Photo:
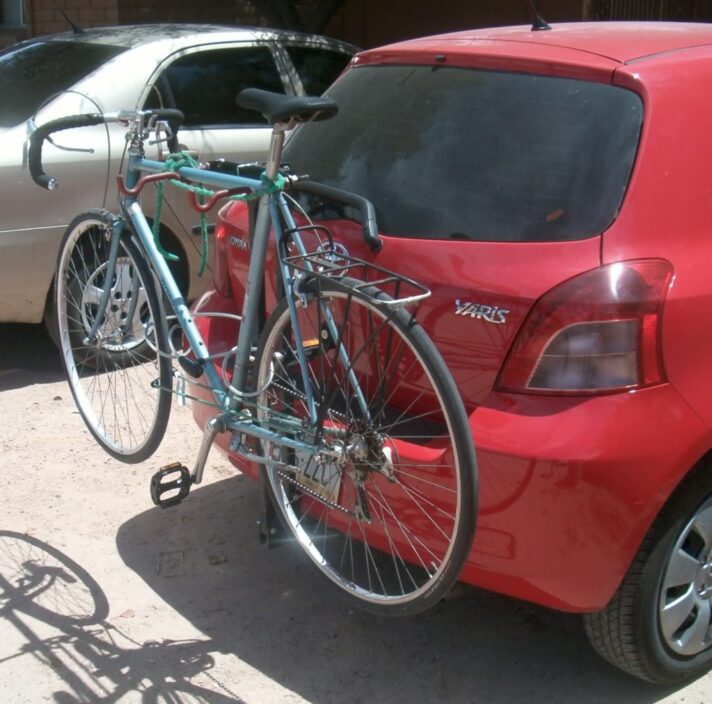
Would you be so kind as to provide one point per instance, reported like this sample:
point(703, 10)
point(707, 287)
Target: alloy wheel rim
point(118, 333)
point(685, 606)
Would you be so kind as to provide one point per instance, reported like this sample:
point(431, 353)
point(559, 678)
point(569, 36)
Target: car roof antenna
point(75, 28)
point(539, 24)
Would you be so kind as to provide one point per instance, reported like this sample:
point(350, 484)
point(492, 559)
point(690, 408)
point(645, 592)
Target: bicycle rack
point(334, 265)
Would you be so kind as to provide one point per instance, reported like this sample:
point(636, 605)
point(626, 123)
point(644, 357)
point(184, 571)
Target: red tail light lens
point(221, 277)
point(596, 333)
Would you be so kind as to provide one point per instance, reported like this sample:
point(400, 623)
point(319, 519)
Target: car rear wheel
point(658, 626)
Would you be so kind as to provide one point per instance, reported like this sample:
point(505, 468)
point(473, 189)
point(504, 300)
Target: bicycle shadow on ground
point(92, 659)
point(27, 356)
point(269, 609)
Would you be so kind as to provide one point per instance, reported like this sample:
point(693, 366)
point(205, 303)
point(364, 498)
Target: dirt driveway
point(105, 598)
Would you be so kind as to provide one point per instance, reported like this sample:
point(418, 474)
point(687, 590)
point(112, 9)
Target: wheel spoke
point(681, 570)
point(702, 525)
point(675, 613)
point(696, 637)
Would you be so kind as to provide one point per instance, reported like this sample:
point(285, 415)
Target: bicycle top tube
point(197, 175)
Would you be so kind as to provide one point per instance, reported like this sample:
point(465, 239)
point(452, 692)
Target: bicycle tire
point(121, 386)
point(41, 581)
point(389, 524)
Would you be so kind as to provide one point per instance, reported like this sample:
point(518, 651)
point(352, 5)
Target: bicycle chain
point(295, 393)
point(314, 494)
point(302, 397)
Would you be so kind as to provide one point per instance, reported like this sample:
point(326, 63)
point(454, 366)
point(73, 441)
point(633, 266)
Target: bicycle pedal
point(170, 485)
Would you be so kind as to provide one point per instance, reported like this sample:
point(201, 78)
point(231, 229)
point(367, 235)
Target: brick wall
point(142, 11)
point(44, 18)
point(363, 22)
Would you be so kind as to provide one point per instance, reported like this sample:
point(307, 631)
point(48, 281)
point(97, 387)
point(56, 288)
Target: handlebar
point(174, 118)
point(363, 205)
point(34, 156)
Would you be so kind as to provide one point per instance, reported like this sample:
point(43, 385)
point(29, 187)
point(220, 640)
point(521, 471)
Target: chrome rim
point(343, 554)
point(113, 379)
point(685, 609)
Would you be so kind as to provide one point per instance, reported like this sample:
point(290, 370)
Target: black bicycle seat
point(277, 107)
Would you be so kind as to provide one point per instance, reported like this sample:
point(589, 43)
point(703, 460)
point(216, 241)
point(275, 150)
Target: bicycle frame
point(348, 411)
point(271, 207)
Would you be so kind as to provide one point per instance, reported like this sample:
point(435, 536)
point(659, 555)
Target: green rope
point(177, 161)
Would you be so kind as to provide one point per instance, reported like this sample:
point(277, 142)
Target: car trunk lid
point(481, 292)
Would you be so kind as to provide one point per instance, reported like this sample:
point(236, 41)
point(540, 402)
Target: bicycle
point(341, 398)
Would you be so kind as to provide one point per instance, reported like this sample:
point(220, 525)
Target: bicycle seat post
point(255, 275)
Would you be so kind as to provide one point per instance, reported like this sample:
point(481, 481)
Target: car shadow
point(27, 356)
point(272, 611)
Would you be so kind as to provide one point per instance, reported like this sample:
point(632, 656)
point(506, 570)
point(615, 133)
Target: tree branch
point(320, 16)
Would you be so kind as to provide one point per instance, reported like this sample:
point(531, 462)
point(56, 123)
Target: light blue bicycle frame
point(271, 207)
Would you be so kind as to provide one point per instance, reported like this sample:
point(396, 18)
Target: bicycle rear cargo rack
point(333, 265)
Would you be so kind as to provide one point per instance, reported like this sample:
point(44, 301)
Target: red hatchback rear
point(551, 188)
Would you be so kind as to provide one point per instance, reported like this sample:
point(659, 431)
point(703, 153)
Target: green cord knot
point(177, 161)
point(269, 185)
point(172, 163)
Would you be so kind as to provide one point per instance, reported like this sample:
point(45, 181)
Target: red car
point(553, 189)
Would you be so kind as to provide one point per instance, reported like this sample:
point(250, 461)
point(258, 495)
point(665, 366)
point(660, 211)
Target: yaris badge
point(479, 311)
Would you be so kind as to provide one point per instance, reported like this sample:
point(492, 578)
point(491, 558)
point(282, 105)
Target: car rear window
point(30, 74)
point(453, 153)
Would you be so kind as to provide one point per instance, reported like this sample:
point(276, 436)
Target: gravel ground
point(105, 598)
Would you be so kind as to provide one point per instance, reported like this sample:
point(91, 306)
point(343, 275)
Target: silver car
point(196, 68)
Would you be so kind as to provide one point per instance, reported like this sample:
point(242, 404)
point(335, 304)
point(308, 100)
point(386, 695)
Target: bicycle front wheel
point(121, 385)
point(387, 512)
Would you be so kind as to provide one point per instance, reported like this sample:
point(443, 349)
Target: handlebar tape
point(364, 206)
point(34, 156)
point(174, 118)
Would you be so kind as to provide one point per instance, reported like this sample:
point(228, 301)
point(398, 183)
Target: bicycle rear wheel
point(121, 386)
point(388, 518)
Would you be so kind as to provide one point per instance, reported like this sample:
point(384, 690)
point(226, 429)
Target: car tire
point(638, 631)
point(49, 316)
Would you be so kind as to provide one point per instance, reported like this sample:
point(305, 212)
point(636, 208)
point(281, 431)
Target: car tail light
point(221, 276)
point(596, 333)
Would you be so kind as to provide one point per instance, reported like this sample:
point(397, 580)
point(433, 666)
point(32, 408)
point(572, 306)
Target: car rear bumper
point(568, 486)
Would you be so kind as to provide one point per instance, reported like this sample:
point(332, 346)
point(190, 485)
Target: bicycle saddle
point(277, 107)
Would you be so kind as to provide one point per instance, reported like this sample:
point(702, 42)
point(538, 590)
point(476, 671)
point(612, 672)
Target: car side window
point(204, 85)
point(317, 67)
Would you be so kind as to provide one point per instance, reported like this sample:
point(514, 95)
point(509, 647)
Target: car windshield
point(32, 73)
point(453, 153)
